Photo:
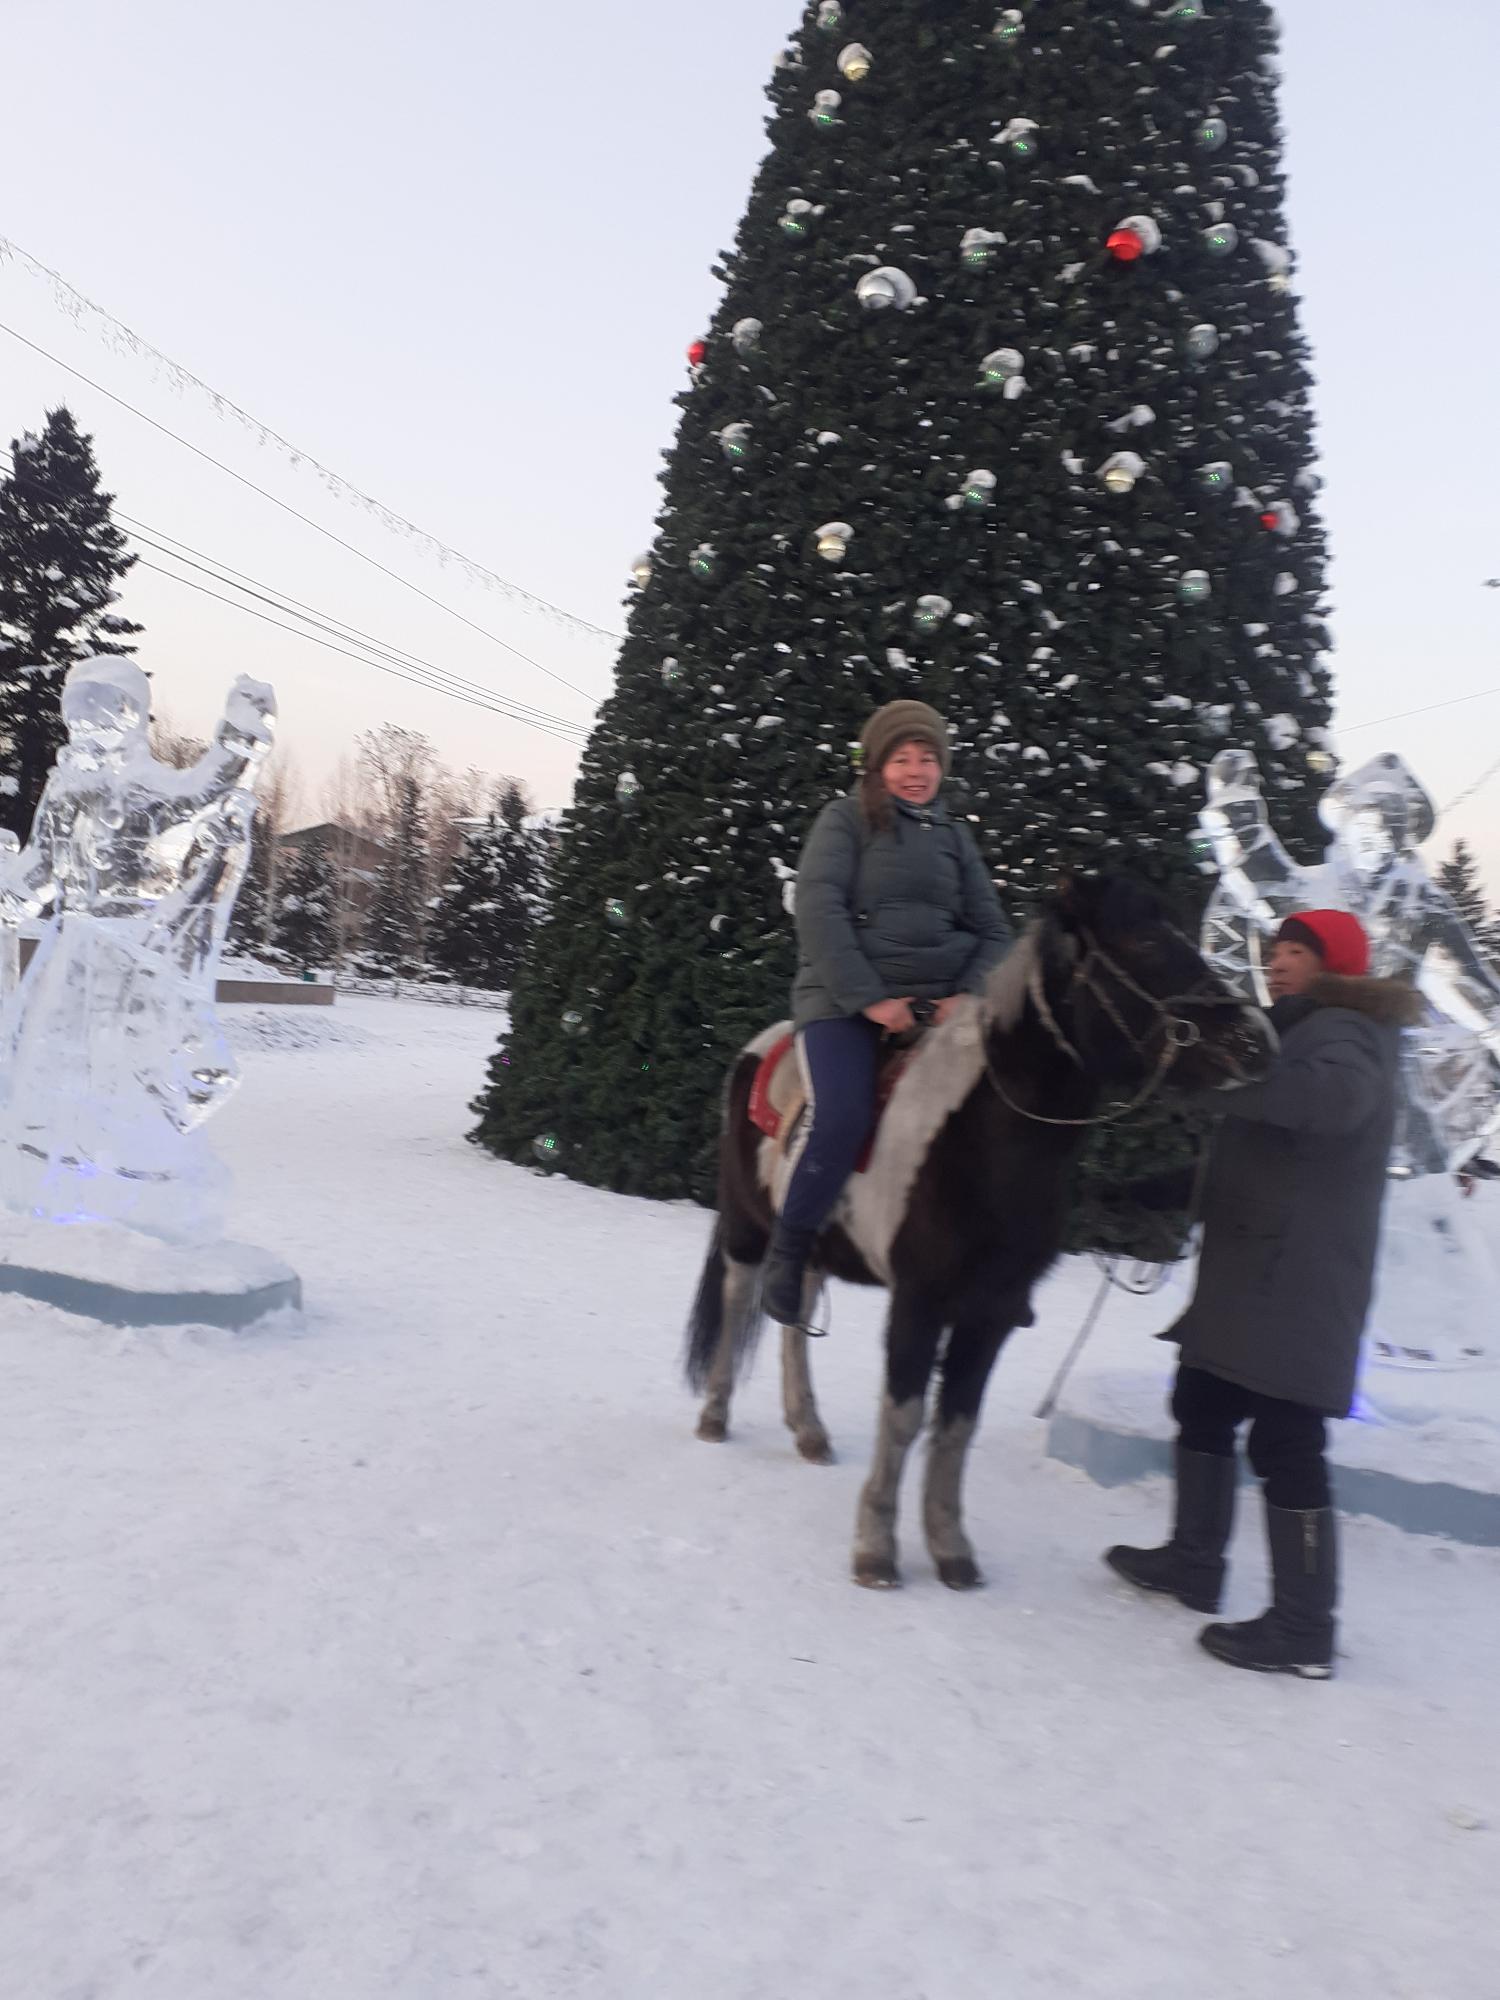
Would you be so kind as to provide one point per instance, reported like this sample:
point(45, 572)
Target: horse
point(963, 1203)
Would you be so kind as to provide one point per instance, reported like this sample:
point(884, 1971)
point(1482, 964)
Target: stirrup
point(803, 1323)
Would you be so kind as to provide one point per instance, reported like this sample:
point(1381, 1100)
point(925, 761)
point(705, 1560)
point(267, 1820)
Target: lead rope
point(1109, 1265)
point(1172, 1047)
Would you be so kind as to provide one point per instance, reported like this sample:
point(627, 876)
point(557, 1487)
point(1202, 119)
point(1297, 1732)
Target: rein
point(1178, 1033)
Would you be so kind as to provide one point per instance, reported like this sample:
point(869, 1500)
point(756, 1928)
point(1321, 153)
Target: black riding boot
point(783, 1274)
point(1190, 1567)
point(1296, 1635)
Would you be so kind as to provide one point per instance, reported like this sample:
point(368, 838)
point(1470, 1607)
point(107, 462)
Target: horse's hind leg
point(739, 1307)
point(912, 1336)
point(972, 1348)
point(802, 1418)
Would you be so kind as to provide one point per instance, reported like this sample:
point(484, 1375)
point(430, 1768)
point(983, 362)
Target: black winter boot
point(783, 1276)
point(1296, 1635)
point(1191, 1566)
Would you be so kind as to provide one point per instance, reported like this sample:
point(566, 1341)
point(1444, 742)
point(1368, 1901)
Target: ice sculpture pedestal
point(106, 1272)
point(1429, 1465)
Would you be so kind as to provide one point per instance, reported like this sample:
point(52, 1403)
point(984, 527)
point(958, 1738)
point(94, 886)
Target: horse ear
point(1070, 899)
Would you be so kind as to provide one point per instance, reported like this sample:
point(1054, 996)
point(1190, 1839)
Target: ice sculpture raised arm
point(1249, 855)
point(111, 1054)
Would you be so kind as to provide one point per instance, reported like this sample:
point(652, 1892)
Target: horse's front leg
point(798, 1401)
point(911, 1342)
point(972, 1348)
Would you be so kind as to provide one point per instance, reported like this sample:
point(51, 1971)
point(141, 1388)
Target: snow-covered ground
point(425, 1653)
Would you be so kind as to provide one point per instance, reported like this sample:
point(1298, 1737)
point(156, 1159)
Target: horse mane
point(1010, 985)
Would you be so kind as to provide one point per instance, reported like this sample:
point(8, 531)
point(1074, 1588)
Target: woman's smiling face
point(912, 773)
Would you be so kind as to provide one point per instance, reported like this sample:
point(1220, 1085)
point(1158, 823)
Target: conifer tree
point(250, 919)
point(1459, 876)
point(1005, 406)
point(61, 556)
point(487, 912)
point(303, 928)
point(395, 942)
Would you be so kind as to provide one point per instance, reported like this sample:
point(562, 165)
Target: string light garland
point(306, 519)
point(124, 339)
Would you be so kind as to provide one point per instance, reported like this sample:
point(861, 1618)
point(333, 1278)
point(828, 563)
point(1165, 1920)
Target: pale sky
point(457, 251)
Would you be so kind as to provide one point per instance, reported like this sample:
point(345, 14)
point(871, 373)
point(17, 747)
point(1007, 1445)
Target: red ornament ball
point(1125, 245)
point(1270, 521)
point(698, 353)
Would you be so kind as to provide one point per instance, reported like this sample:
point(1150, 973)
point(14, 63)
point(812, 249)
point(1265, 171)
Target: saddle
point(778, 1096)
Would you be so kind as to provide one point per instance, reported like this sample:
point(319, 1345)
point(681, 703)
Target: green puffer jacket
point(908, 913)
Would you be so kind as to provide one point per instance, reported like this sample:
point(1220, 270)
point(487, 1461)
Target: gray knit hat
point(903, 722)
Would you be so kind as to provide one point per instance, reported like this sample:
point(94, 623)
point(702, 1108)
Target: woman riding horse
point(894, 907)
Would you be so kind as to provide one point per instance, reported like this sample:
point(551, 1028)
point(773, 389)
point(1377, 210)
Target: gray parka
point(906, 912)
point(1293, 1198)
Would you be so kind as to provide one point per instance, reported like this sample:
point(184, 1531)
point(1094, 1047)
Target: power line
point(78, 306)
point(287, 508)
point(222, 572)
point(1478, 786)
point(339, 628)
point(474, 701)
point(1405, 714)
point(372, 652)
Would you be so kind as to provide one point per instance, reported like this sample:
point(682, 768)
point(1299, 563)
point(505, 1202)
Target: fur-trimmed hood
point(1387, 1002)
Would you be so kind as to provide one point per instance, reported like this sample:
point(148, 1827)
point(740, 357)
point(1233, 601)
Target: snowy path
point(429, 1655)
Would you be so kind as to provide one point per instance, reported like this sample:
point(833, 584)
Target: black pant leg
point(1288, 1451)
point(1208, 1411)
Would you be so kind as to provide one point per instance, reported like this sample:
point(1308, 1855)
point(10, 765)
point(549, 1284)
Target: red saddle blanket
point(766, 1118)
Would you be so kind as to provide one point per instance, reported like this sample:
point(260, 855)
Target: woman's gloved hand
point(895, 1016)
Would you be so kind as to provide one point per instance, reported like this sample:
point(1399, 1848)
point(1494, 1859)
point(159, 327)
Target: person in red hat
point(1292, 1202)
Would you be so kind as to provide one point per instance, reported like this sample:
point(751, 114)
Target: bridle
point(1178, 1033)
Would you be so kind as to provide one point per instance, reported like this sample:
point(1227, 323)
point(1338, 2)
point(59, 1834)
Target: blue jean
point(839, 1060)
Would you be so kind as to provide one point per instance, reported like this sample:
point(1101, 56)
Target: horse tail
point(735, 1249)
point(706, 1321)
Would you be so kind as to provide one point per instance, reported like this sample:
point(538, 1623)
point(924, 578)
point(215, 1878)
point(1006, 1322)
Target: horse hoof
point(713, 1430)
point(815, 1448)
point(960, 1573)
point(876, 1573)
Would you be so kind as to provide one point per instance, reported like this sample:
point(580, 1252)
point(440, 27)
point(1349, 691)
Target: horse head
point(1124, 990)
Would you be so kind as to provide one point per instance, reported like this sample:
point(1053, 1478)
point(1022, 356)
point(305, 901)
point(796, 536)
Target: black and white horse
point(962, 1206)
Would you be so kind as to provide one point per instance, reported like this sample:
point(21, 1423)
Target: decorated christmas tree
point(1005, 406)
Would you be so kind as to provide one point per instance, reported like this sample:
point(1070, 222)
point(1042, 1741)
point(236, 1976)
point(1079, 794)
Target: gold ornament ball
point(1320, 763)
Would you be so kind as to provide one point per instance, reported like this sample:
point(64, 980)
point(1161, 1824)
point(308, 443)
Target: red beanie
point(1337, 938)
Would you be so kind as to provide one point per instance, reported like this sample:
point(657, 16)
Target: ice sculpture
point(1436, 1282)
point(110, 1053)
point(1378, 816)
